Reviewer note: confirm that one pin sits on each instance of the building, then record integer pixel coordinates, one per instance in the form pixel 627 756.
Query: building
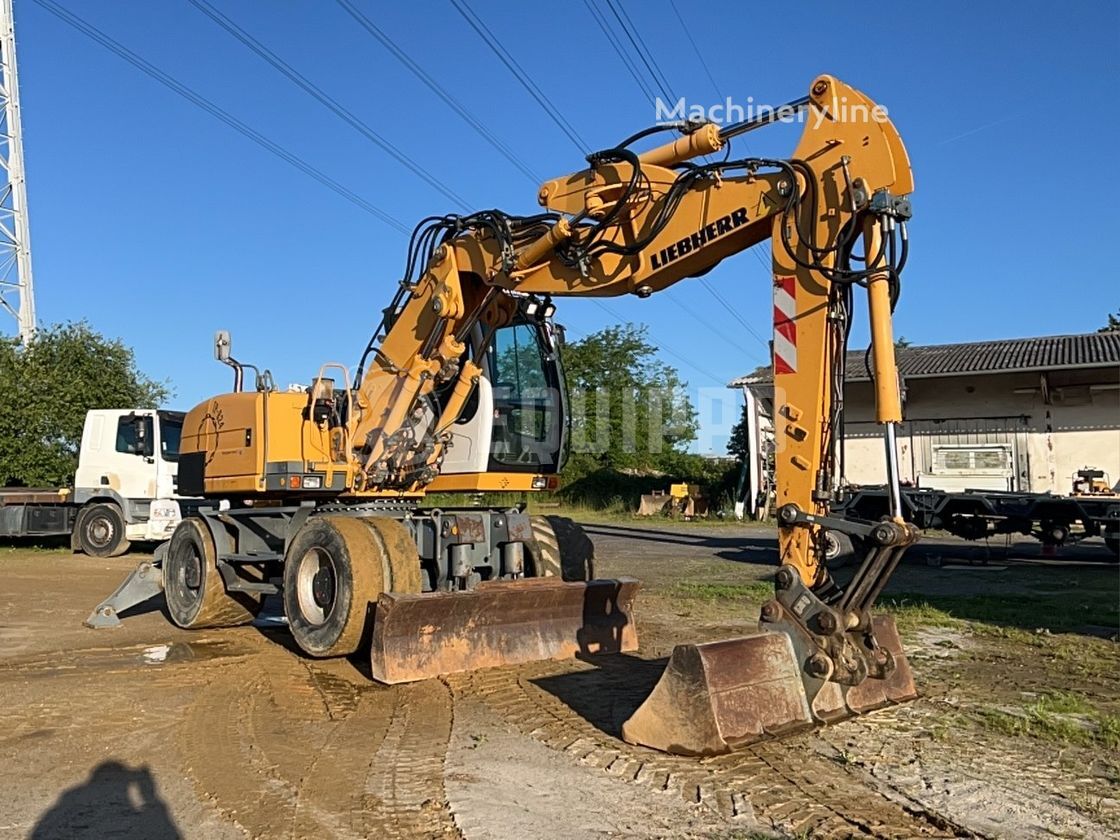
pixel 1018 414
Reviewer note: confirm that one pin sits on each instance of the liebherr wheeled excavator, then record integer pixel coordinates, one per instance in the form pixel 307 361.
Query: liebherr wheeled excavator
pixel 318 496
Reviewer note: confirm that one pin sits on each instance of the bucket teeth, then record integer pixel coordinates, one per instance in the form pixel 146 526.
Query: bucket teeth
pixel 719 696
pixel 500 623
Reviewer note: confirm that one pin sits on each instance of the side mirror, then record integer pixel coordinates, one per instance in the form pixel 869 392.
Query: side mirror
pixel 222 345
pixel 143 439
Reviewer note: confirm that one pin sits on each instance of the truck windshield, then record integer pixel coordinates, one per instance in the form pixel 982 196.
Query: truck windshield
pixel 170 431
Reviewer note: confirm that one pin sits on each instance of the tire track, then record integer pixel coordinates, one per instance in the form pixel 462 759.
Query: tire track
pixel 335 782
pixel 286 752
pixel 229 772
pixel 405 786
pixel 787 784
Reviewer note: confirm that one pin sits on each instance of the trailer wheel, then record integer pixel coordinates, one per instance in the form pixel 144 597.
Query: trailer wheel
pixel 100 531
pixel 561 548
pixel 333 572
pixel 1113 544
pixel 193 587
pixel 841 549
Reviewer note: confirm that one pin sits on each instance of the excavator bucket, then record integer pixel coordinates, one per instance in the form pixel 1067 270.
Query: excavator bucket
pixel 500 623
pixel 719 696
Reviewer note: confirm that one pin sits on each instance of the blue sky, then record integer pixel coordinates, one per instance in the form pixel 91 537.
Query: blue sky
pixel 159 224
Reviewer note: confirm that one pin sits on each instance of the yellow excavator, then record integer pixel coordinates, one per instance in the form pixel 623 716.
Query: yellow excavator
pixel 317 495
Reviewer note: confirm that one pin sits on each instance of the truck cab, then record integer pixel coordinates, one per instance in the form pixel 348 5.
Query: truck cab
pixel 126 482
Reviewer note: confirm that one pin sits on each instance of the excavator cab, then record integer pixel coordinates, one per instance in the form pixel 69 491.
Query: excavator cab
pixel 530 406
pixel 516 417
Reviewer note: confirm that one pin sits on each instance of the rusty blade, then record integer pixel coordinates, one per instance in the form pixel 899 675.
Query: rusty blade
pixel 717 696
pixel 500 623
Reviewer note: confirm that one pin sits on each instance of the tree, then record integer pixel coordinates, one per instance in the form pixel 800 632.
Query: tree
pixel 629 410
pixel 737 443
pixel 1113 324
pixel 48 386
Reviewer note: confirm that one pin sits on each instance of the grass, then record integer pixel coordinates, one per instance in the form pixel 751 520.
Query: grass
pixel 1065 610
pixel 753 591
pixel 1060 717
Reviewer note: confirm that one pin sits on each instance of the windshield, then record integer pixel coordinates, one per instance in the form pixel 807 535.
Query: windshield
pixel 170 431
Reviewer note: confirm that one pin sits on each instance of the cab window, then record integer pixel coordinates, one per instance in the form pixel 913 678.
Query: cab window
pixel 132 433
pixel 527 409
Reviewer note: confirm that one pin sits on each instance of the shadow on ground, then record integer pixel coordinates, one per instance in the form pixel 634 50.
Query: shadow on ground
pixel 115 801
pixel 751 546
pixel 608 694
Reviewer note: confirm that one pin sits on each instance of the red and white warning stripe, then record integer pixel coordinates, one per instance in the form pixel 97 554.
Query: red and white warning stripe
pixel 785 327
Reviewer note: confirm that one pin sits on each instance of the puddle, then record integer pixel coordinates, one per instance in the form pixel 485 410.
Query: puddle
pixel 188 652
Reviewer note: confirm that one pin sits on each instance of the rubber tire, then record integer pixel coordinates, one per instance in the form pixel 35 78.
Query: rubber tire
pixel 112 518
pixel 359 560
pixel 208 604
pixel 1113 545
pixel 561 548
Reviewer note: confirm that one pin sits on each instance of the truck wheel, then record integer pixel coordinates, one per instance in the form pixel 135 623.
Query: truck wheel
pixel 100 531
pixel 333 572
pixel 561 548
pixel 193 587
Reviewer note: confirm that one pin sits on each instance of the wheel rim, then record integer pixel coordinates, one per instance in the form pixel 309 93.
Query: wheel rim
pixel 316 585
pixel 831 547
pixel 100 531
pixel 188 574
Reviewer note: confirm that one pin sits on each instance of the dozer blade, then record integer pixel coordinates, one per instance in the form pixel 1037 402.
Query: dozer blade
pixel 720 696
pixel 500 623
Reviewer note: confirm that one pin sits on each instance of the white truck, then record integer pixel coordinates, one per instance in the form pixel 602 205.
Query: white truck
pixel 124 490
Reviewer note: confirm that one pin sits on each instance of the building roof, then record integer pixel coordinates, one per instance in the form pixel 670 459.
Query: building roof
pixel 1051 352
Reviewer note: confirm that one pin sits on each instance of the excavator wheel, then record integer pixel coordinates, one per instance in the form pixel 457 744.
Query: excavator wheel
pixel 561 549
pixel 193 587
pixel 336 568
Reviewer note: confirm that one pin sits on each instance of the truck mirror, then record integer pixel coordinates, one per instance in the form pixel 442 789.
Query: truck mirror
pixel 143 439
pixel 222 345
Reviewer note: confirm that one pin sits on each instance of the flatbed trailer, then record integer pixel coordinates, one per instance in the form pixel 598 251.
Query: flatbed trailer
pixel 34 512
pixel 978 514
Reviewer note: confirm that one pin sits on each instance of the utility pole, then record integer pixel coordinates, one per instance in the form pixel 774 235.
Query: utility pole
pixel 15 238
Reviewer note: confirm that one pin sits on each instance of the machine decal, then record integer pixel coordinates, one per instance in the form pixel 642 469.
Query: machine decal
pixel 785 327
pixel 694 242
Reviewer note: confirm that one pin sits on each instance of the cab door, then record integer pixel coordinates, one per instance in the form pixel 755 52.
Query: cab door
pixel 527 391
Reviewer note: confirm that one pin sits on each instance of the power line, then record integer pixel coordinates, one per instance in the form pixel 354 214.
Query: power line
pixel 623 57
pixel 696 49
pixel 734 314
pixel 707 322
pixel 634 37
pixel 511 64
pixel 205 104
pixel 439 90
pixel 332 104
pixel 660 345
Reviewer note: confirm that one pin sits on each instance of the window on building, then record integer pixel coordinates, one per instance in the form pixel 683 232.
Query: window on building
pixel 964 459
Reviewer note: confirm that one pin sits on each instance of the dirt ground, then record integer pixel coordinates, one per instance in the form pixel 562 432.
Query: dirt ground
pixel 149 731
